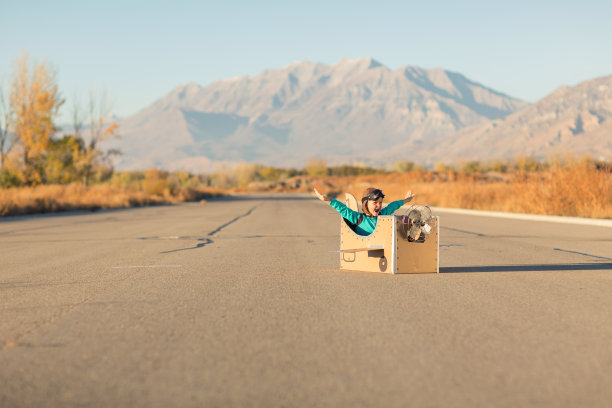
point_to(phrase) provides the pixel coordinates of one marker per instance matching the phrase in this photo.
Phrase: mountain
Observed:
(575, 120)
(352, 111)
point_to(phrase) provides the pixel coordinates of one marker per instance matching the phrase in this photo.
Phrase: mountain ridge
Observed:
(570, 120)
(354, 110)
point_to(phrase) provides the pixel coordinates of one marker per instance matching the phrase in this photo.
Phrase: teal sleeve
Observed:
(392, 207)
(344, 211)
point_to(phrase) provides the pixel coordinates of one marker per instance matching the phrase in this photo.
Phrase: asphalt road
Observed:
(240, 302)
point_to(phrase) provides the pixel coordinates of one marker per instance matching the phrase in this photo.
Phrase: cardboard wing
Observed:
(387, 249)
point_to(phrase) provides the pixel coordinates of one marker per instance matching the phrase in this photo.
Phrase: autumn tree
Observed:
(60, 160)
(34, 102)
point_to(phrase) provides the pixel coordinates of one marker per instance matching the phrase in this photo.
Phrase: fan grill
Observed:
(414, 226)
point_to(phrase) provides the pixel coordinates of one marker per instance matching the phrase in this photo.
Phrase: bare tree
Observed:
(77, 117)
(101, 127)
(6, 144)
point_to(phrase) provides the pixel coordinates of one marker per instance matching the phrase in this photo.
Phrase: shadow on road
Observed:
(529, 268)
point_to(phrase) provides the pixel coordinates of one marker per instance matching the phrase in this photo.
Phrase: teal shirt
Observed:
(369, 223)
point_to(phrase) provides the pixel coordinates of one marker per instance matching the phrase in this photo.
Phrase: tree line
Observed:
(31, 153)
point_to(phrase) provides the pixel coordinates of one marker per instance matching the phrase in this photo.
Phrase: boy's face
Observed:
(374, 206)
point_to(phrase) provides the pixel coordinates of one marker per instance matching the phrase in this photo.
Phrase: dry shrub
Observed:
(156, 182)
(53, 198)
(156, 187)
(197, 194)
(573, 189)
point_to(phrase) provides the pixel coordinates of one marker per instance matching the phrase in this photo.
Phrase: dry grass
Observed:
(54, 198)
(570, 189)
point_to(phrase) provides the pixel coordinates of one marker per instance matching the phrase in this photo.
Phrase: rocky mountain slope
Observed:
(575, 120)
(353, 111)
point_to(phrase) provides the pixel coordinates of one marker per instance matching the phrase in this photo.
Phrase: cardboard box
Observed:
(387, 250)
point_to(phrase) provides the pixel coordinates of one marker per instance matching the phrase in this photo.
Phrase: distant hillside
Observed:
(572, 119)
(348, 112)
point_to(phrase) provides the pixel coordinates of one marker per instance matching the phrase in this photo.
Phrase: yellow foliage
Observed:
(35, 101)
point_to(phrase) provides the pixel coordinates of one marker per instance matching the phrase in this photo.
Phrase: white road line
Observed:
(529, 217)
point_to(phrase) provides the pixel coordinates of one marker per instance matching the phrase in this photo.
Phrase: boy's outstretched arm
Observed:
(395, 205)
(321, 197)
(409, 196)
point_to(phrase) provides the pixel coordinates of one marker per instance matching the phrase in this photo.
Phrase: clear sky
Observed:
(140, 50)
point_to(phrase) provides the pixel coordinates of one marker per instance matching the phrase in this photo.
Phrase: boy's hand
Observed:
(409, 196)
(320, 196)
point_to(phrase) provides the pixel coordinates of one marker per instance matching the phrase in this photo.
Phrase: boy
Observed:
(371, 199)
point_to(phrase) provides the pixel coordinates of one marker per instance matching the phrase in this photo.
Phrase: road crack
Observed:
(207, 241)
(227, 224)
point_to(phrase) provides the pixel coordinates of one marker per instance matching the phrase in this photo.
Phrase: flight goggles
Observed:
(374, 195)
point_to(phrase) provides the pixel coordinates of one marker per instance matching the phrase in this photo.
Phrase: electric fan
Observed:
(415, 225)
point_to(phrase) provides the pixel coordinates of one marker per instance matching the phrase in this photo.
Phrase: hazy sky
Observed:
(140, 50)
